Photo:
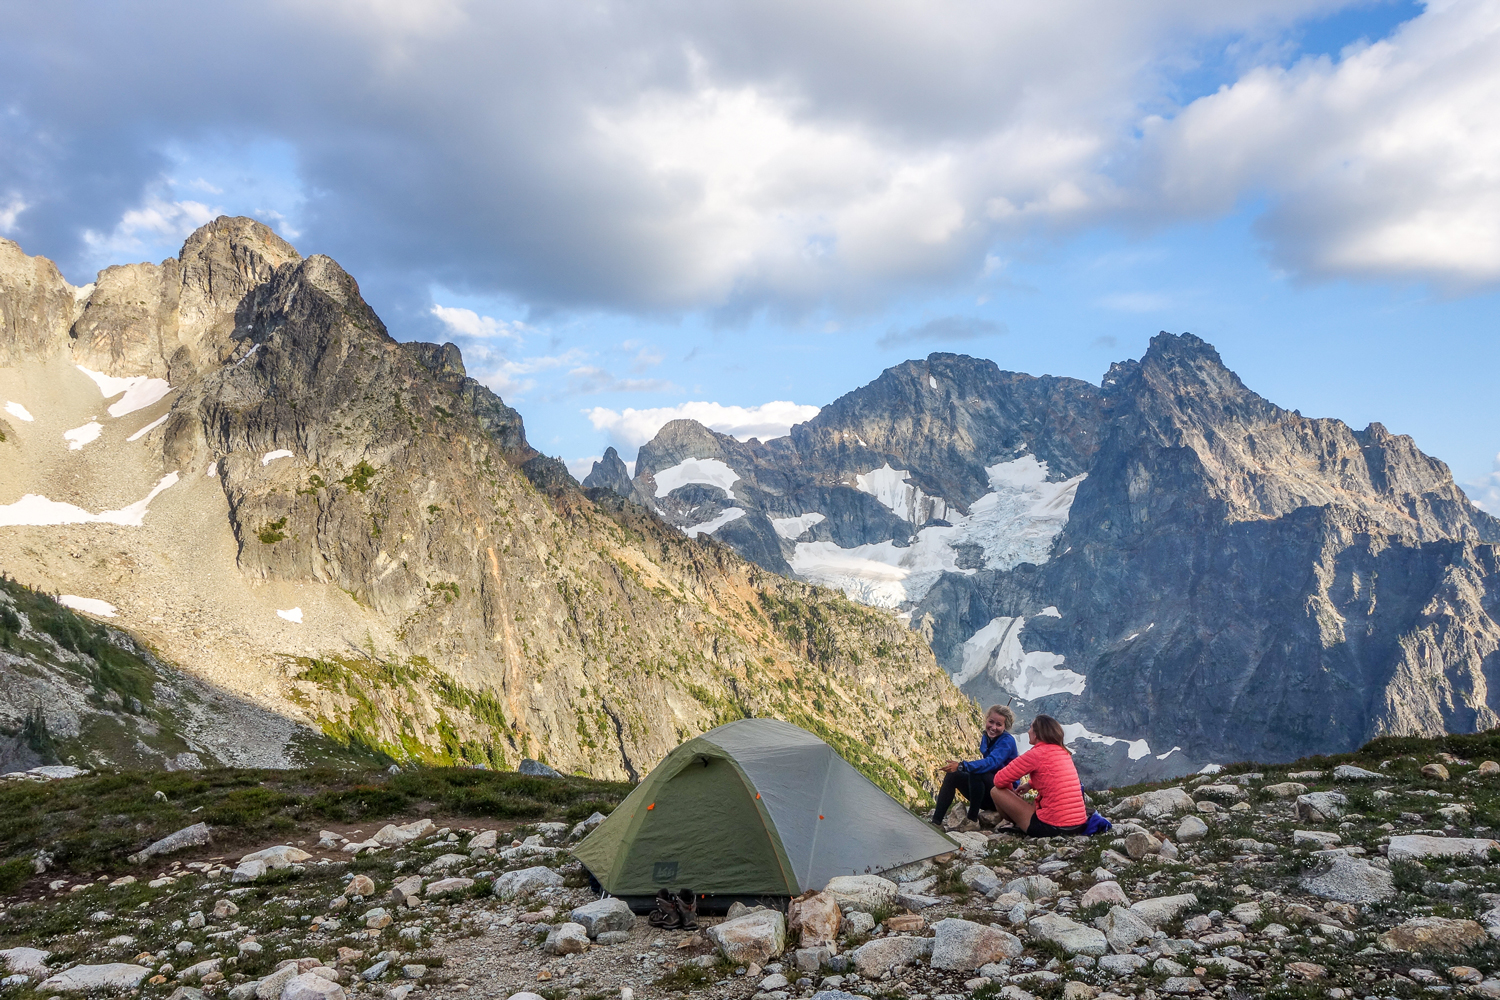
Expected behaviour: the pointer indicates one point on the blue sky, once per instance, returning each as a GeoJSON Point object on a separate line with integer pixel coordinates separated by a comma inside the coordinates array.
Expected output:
{"type": "Point", "coordinates": [624, 213]}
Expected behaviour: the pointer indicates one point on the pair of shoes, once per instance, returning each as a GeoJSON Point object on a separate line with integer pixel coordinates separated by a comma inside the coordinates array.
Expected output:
{"type": "Point", "coordinates": [665, 914]}
{"type": "Point", "coordinates": [673, 912]}
{"type": "Point", "coordinates": [968, 826]}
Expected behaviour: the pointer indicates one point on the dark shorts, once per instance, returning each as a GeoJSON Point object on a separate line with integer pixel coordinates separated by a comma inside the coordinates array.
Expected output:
{"type": "Point", "coordinates": [1037, 828]}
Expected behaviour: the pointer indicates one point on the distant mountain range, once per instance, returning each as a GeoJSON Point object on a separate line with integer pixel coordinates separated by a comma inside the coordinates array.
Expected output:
{"type": "Point", "coordinates": [1182, 571]}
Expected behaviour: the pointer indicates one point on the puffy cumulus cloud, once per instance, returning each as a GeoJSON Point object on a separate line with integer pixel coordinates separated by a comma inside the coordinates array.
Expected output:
{"type": "Point", "coordinates": [631, 428]}
{"type": "Point", "coordinates": [642, 156]}
{"type": "Point", "coordinates": [1486, 492]}
{"type": "Point", "coordinates": [155, 220]}
{"type": "Point", "coordinates": [468, 323]}
{"type": "Point", "coordinates": [946, 329]}
{"type": "Point", "coordinates": [1384, 163]}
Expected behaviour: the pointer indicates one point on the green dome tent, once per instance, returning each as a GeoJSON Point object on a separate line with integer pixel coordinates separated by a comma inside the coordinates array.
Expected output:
{"type": "Point", "coordinates": [754, 808]}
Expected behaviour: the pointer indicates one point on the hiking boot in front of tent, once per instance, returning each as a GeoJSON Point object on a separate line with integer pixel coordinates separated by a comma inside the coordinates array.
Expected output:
{"type": "Point", "coordinates": [666, 914]}
{"type": "Point", "coordinates": [687, 909]}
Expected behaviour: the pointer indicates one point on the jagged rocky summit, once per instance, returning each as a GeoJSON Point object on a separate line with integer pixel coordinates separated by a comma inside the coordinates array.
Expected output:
{"type": "Point", "coordinates": [229, 458]}
{"type": "Point", "coordinates": [1177, 567]}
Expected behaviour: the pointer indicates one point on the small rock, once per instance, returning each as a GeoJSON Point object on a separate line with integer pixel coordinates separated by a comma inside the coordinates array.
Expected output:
{"type": "Point", "coordinates": [980, 878]}
{"type": "Point", "coordinates": [1435, 772]}
{"type": "Point", "coordinates": [1307, 970]}
{"type": "Point", "coordinates": [414, 970]}
{"type": "Point", "coordinates": [1071, 936]}
{"type": "Point", "coordinates": [1348, 772]}
{"type": "Point", "coordinates": [1181, 985]}
{"type": "Point", "coordinates": [115, 976]}
{"type": "Point", "coordinates": [602, 915]}
{"type": "Point", "coordinates": [862, 892]}
{"type": "Point", "coordinates": [482, 841]}
{"type": "Point", "coordinates": [375, 971]}
{"type": "Point", "coordinates": [1141, 844]}
{"type": "Point", "coordinates": [1104, 892]}
{"type": "Point", "coordinates": [1416, 847]}
{"type": "Point", "coordinates": [311, 986]}
{"type": "Point", "coordinates": [448, 886]}
{"type": "Point", "coordinates": [360, 885]}
{"type": "Point", "coordinates": [816, 919]}
{"type": "Point", "coordinates": [248, 871]}
{"type": "Point", "coordinates": [1034, 887]}
{"type": "Point", "coordinates": [1121, 965]}
{"type": "Point", "coordinates": [377, 918]}
{"type": "Point", "coordinates": [1488, 768]}
{"type": "Point", "coordinates": [1433, 935]}
{"type": "Point", "coordinates": [875, 958]}
{"type": "Point", "coordinates": [526, 881]}
{"type": "Point", "coordinates": [196, 835]}
{"type": "Point", "coordinates": [26, 961]}
{"type": "Point", "coordinates": [1191, 830]}
{"type": "Point", "coordinates": [1350, 880]}
{"type": "Point", "coordinates": [964, 945]}
{"type": "Point", "coordinates": [1123, 928]}
{"type": "Point", "coordinates": [1314, 838]}
{"type": "Point", "coordinates": [1321, 807]}
{"type": "Point", "coordinates": [1285, 789]}
{"type": "Point", "coordinates": [566, 939]}
{"type": "Point", "coordinates": [1157, 804]}
{"type": "Point", "coordinates": [277, 857]}
{"type": "Point", "coordinates": [587, 826]}
{"type": "Point", "coordinates": [225, 908]}
{"type": "Point", "coordinates": [615, 937]}
{"type": "Point", "coordinates": [1162, 910]}
{"type": "Point", "coordinates": [758, 936]}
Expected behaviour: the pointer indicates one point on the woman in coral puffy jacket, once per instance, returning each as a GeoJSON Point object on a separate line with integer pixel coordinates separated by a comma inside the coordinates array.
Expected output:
{"type": "Point", "coordinates": [1059, 809]}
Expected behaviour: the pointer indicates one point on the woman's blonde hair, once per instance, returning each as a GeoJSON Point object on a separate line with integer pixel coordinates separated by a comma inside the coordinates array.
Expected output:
{"type": "Point", "coordinates": [1005, 713]}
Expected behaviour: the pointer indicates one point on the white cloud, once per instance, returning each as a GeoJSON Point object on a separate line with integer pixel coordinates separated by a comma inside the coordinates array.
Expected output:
{"type": "Point", "coordinates": [12, 207]}
{"type": "Point", "coordinates": [1486, 492]}
{"type": "Point", "coordinates": [468, 323]}
{"type": "Point", "coordinates": [1382, 164]}
{"type": "Point", "coordinates": [633, 428]}
{"type": "Point", "coordinates": [156, 219]}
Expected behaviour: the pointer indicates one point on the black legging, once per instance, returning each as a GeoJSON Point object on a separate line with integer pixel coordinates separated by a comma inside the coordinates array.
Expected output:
{"type": "Point", "coordinates": [975, 788]}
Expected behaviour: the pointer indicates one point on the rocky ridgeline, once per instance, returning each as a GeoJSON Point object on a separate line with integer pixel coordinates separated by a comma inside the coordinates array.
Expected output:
{"type": "Point", "coordinates": [1348, 881]}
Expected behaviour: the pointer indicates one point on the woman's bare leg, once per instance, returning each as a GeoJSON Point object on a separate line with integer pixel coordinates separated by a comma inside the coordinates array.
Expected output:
{"type": "Point", "coordinates": [1013, 807]}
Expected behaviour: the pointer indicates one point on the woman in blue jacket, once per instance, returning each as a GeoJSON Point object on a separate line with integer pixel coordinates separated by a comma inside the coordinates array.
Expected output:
{"type": "Point", "coordinates": [974, 778]}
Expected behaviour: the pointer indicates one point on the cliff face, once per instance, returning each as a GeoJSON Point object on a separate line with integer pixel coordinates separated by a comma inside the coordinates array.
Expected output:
{"type": "Point", "coordinates": [349, 531]}
{"type": "Point", "coordinates": [1166, 561]}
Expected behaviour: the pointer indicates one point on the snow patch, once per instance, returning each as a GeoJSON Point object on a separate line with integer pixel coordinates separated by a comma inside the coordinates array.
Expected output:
{"type": "Point", "coordinates": [213, 469]}
{"type": "Point", "coordinates": [291, 615]}
{"type": "Point", "coordinates": [1077, 730]}
{"type": "Point", "coordinates": [37, 511]}
{"type": "Point", "coordinates": [1211, 769]}
{"type": "Point", "coordinates": [1050, 611]}
{"type": "Point", "coordinates": [272, 456]}
{"type": "Point", "coordinates": [92, 605]}
{"type": "Point", "coordinates": [708, 471]}
{"type": "Point", "coordinates": [83, 291]}
{"type": "Point", "coordinates": [996, 648]}
{"type": "Point", "coordinates": [791, 528]}
{"type": "Point", "coordinates": [709, 527]}
{"type": "Point", "coordinates": [18, 411]}
{"type": "Point", "coordinates": [140, 390]}
{"type": "Point", "coordinates": [153, 425]}
{"type": "Point", "coordinates": [932, 381]}
{"type": "Point", "coordinates": [80, 436]}
{"type": "Point", "coordinates": [1015, 523]}
{"type": "Point", "coordinates": [906, 500]}
{"type": "Point", "coordinates": [1164, 756]}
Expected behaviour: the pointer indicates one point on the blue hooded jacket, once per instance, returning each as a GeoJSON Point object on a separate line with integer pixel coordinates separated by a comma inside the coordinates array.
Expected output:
{"type": "Point", "coordinates": [994, 754]}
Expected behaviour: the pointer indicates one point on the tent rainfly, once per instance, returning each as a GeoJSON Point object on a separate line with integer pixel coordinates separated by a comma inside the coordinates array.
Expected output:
{"type": "Point", "coordinates": [754, 808]}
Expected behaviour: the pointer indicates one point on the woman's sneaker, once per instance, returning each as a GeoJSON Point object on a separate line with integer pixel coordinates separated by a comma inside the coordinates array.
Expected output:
{"type": "Point", "coordinates": [687, 909]}
{"type": "Point", "coordinates": [666, 914]}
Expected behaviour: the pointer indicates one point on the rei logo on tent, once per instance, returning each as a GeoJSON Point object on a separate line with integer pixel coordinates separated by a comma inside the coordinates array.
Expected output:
{"type": "Point", "coordinates": [664, 871]}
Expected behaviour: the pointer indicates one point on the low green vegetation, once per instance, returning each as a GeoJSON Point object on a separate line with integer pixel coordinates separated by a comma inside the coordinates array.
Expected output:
{"type": "Point", "coordinates": [90, 824]}
{"type": "Point", "coordinates": [272, 532]}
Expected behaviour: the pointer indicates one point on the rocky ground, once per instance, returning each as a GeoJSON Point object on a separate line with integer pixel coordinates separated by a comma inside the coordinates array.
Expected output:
{"type": "Point", "coordinates": [1374, 877]}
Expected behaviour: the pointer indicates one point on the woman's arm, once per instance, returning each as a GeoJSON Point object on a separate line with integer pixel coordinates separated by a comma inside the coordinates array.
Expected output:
{"type": "Point", "coordinates": [1020, 767]}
